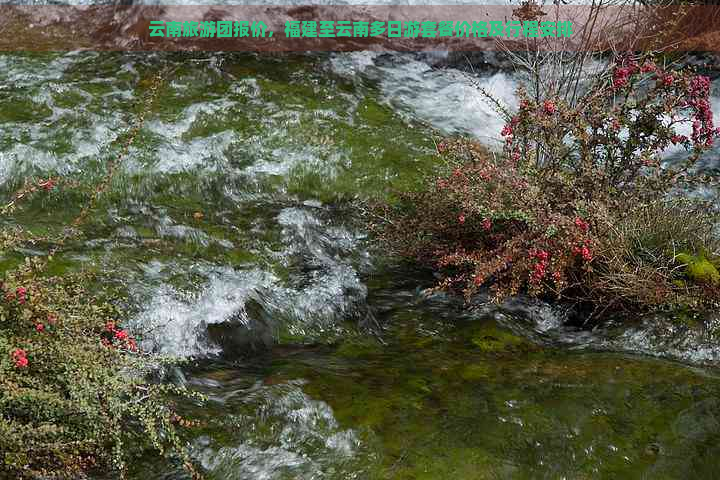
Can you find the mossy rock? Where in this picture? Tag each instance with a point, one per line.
(699, 269)
(475, 372)
(490, 338)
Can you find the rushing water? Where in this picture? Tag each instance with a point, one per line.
(233, 230)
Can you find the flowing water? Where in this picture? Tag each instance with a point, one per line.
(233, 228)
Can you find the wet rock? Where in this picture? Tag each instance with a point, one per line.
(695, 340)
(245, 333)
(489, 338)
(691, 338)
(479, 62)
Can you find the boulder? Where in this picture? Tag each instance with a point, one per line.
(249, 331)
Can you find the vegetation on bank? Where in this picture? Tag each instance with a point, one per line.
(77, 396)
(581, 204)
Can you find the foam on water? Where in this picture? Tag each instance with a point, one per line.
(447, 99)
(323, 289)
(332, 290)
(175, 322)
(245, 131)
(299, 438)
(82, 132)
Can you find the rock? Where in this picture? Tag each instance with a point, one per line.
(248, 331)
(490, 338)
(477, 62)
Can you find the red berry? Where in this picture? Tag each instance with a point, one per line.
(549, 107)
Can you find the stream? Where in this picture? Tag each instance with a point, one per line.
(233, 229)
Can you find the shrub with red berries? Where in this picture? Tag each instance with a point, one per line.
(556, 214)
(65, 388)
(486, 222)
(614, 138)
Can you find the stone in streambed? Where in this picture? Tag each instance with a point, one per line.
(246, 332)
(490, 338)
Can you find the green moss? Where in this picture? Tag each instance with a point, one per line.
(359, 348)
(372, 113)
(704, 272)
(699, 269)
(23, 110)
(68, 99)
(418, 385)
(490, 338)
(472, 373)
(241, 257)
(97, 88)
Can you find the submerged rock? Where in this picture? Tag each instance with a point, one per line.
(489, 338)
(688, 337)
(477, 62)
